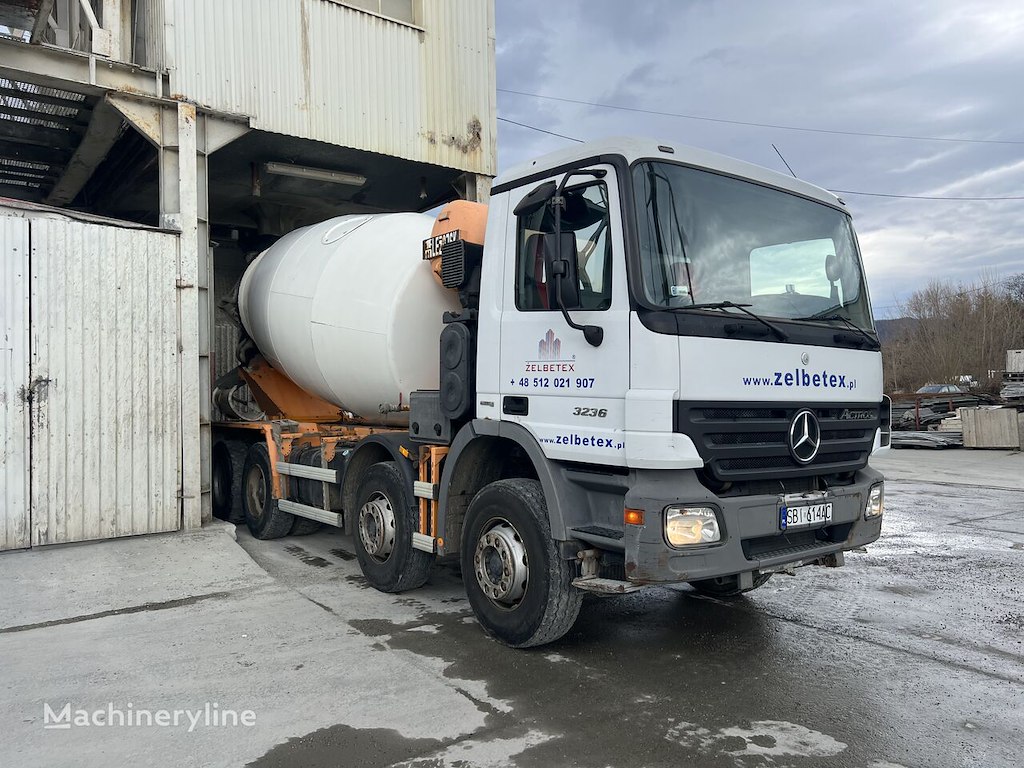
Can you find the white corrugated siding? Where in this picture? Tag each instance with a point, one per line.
(106, 450)
(320, 70)
(14, 380)
(148, 33)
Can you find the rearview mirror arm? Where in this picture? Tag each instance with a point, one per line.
(594, 334)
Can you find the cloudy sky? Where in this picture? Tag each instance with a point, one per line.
(931, 68)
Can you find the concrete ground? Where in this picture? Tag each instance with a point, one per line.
(911, 655)
(991, 468)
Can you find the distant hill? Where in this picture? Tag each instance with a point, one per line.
(889, 330)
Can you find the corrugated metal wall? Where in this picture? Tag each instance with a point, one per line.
(14, 380)
(106, 444)
(321, 70)
(148, 32)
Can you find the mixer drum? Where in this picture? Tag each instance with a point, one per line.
(349, 310)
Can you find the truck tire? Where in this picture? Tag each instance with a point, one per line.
(264, 519)
(727, 586)
(226, 482)
(385, 522)
(303, 526)
(518, 585)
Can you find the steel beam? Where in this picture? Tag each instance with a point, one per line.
(186, 138)
(101, 135)
(70, 70)
(42, 21)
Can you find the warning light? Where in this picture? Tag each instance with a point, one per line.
(633, 516)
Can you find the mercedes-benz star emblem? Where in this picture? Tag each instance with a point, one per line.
(804, 436)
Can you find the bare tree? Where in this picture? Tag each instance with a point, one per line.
(954, 331)
(1015, 287)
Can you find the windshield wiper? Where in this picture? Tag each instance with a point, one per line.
(873, 342)
(781, 334)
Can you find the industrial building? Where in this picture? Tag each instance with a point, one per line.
(146, 148)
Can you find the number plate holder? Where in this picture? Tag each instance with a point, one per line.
(797, 516)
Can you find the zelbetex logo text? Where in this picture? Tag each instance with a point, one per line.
(584, 441)
(799, 378)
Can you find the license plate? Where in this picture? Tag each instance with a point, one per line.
(805, 516)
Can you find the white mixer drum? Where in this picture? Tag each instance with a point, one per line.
(348, 309)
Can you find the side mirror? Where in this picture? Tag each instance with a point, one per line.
(832, 268)
(832, 273)
(536, 200)
(561, 263)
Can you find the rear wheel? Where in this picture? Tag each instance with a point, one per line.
(727, 586)
(303, 526)
(264, 519)
(518, 584)
(385, 522)
(226, 482)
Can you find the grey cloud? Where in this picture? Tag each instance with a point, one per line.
(935, 67)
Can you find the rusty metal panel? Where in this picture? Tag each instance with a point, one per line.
(323, 70)
(14, 383)
(107, 413)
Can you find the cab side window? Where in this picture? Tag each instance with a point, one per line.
(585, 223)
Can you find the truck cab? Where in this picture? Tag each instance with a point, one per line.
(680, 348)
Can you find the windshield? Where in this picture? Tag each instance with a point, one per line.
(707, 238)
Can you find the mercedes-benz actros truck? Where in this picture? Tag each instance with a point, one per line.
(640, 364)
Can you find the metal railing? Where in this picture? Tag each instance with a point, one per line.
(114, 29)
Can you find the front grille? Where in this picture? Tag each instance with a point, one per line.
(751, 442)
(740, 413)
(777, 462)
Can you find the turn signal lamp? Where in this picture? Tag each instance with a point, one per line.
(633, 516)
(686, 526)
(875, 502)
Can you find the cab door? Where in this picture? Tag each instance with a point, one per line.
(567, 392)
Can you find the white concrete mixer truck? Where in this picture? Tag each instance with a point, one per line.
(640, 364)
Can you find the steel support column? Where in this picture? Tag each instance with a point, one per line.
(186, 140)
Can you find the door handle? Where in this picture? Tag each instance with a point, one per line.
(514, 405)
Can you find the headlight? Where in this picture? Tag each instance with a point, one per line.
(874, 505)
(685, 526)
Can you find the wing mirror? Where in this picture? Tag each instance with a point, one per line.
(536, 200)
(560, 263)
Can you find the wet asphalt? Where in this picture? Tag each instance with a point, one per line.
(910, 655)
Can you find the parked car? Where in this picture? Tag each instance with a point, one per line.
(941, 389)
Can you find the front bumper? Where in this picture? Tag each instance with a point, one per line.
(751, 539)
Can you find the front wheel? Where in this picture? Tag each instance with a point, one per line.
(727, 586)
(519, 586)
